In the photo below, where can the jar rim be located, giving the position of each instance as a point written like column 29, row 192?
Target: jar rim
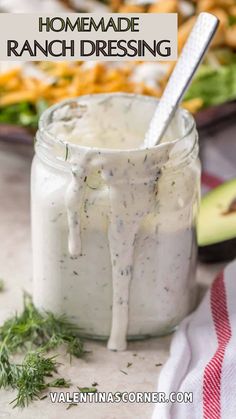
column 51, row 139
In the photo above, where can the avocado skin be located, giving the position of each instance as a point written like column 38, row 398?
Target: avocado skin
column 218, row 252
column 217, row 224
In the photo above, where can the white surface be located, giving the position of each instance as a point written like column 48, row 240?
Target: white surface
column 100, row 365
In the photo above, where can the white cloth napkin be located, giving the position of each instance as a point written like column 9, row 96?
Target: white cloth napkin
column 203, row 357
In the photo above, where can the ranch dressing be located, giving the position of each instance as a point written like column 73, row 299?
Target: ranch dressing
column 129, row 204
column 125, row 234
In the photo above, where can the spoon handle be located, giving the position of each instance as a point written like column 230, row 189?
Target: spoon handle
column 189, row 60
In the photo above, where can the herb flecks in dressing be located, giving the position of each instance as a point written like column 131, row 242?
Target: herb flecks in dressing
column 131, row 200
column 132, row 205
column 129, row 204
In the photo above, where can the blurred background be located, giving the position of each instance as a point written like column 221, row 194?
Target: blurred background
column 27, row 89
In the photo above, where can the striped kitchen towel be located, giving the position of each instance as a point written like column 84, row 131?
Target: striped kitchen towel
column 203, row 357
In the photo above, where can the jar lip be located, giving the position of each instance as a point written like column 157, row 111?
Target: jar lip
column 42, row 126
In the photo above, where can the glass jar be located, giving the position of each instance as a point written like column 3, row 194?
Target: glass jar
column 113, row 224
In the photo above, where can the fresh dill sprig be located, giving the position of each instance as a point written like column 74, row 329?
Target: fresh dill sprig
column 30, row 378
column 35, row 332
column 59, row 382
column 36, row 329
column 8, row 371
column 88, row 389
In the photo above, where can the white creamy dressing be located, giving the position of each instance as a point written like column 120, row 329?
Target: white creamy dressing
column 134, row 233
column 74, row 201
column 129, row 205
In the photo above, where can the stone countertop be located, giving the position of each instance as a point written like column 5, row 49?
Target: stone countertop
column 108, row 369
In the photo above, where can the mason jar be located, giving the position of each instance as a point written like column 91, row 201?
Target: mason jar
column 113, row 223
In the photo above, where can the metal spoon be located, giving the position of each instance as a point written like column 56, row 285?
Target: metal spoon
column 189, row 61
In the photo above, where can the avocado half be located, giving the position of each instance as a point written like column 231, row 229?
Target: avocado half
column 217, row 224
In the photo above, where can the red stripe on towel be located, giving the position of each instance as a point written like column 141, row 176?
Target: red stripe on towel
column 210, row 181
column 213, row 370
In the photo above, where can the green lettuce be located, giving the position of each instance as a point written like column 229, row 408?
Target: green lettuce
column 214, row 85
column 24, row 114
